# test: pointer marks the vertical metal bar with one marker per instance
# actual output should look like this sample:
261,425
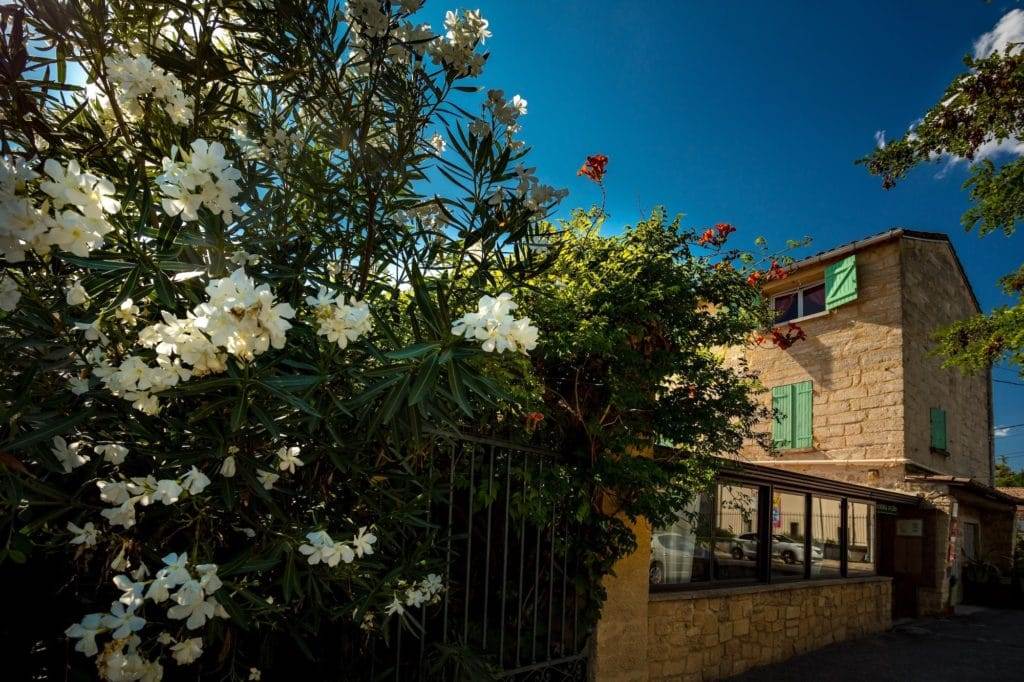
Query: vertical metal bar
551,579
522,559
448,555
808,535
398,650
423,610
536,574
844,530
487,550
575,608
565,580
469,549
504,555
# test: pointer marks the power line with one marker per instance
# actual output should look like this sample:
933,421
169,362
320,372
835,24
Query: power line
1004,381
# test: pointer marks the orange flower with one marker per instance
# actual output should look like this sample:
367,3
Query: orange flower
706,238
594,167
754,278
724,230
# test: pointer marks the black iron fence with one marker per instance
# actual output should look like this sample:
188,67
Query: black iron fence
513,607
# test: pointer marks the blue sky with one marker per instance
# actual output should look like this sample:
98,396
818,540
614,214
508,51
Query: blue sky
752,113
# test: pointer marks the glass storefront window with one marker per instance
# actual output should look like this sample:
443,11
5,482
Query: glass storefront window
736,545
680,553
860,548
826,531
788,530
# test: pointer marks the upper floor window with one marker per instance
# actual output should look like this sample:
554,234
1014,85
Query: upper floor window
804,302
939,440
793,406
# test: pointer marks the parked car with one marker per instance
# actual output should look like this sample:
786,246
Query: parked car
675,559
785,548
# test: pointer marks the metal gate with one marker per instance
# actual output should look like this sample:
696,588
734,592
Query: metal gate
515,599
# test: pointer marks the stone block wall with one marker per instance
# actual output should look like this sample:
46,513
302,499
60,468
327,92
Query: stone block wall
717,633
854,357
935,295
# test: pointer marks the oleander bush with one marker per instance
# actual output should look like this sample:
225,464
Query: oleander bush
256,257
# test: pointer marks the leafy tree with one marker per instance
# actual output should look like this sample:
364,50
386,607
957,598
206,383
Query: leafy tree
1007,476
635,326
981,107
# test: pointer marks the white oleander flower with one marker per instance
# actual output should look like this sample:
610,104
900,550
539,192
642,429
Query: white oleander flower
187,651
438,143
112,452
480,128
494,325
69,456
267,479
122,515
203,178
255,675
9,294
86,535
288,459
85,632
75,294
79,385
363,541
228,468
122,621
195,481
126,312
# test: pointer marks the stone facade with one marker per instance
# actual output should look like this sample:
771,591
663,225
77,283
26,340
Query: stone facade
874,379
935,295
709,635
854,357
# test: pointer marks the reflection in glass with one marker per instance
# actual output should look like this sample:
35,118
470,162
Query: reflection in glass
788,533
814,300
680,552
826,527
860,553
736,533
786,307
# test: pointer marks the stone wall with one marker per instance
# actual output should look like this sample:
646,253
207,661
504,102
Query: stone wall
854,357
935,295
708,635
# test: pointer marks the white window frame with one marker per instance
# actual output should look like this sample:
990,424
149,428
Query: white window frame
799,291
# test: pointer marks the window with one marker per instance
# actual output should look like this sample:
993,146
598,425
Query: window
972,532
826,532
804,302
937,419
788,511
736,545
741,533
680,553
860,546
793,408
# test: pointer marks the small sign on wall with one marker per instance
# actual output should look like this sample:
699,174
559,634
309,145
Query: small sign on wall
910,528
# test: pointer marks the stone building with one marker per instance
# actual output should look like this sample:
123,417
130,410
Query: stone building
876,494
880,409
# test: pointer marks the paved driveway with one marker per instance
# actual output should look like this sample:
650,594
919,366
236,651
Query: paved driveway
986,645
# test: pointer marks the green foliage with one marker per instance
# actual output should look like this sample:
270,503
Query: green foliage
1007,476
635,327
981,106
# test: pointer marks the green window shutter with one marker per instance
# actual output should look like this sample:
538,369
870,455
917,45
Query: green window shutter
841,282
782,424
802,414
938,422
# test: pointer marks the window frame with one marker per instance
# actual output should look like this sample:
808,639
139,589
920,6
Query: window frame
765,539
799,291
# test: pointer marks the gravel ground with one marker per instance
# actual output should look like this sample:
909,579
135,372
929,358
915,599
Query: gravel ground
988,644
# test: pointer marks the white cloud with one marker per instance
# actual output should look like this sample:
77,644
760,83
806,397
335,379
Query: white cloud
1010,29
879,138
1002,433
